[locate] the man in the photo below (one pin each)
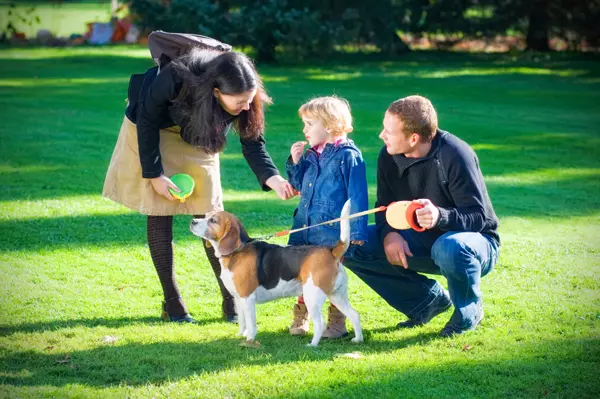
(438, 170)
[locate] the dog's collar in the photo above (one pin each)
(238, 249)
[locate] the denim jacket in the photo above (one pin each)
(325, 181)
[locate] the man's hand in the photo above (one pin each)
(297, 150)
(428, 216)
(162, 184)
(396, 249)
(281, 186)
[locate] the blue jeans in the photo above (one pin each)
(462, 257)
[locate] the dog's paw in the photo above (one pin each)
(242, 333)
(250, 343)
(357, 340)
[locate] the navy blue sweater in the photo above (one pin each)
(449, 176)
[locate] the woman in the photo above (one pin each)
(176, 121)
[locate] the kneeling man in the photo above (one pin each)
(422, 163)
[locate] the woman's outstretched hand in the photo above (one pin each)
(162, 184)
(281, 186)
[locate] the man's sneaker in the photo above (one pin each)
(456, 328)
(439, 305)
(336, 324)
(300, 324)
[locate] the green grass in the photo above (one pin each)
(75, 267)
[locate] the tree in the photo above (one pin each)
(355, 21)
(539, 20)
(537, 28)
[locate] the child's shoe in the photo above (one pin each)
(300, 324)
(336, 324)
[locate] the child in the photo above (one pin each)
(330, 172)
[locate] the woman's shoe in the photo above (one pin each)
(186, 318)
(176, 305)
(229, 313)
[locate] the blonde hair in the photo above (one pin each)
(332, 111)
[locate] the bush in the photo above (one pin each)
(187, 16)
(275, 31)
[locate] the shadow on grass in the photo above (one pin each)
(546, 369)
(546, 365)
(140, 364)
(114, 62)
(89, 323)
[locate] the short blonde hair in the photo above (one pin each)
(332, 111)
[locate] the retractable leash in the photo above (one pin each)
(400, 215)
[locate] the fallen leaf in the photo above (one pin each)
(352, 355)
(250, 344)
(109, 339)
(49, 347)
(67, 359)
(467, 348)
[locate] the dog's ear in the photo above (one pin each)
(231, 239)
(244, 238)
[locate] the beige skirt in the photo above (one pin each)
(125, 185)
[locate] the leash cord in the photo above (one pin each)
(288, 232)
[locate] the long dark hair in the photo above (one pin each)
(204, 119)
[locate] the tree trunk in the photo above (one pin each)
(392, 44)
(537, 31)
(386, 36)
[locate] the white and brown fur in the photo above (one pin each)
(257, 272)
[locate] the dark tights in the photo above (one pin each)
(160, 242)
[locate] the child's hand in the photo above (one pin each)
(357, 242)
(297, 150)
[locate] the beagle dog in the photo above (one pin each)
(256, 272)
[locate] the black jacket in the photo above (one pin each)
(449, 176)
(150, 107)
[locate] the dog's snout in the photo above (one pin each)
(198, 227)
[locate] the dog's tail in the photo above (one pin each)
(342, 245)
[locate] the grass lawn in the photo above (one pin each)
(76, 269)
(60, 18)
